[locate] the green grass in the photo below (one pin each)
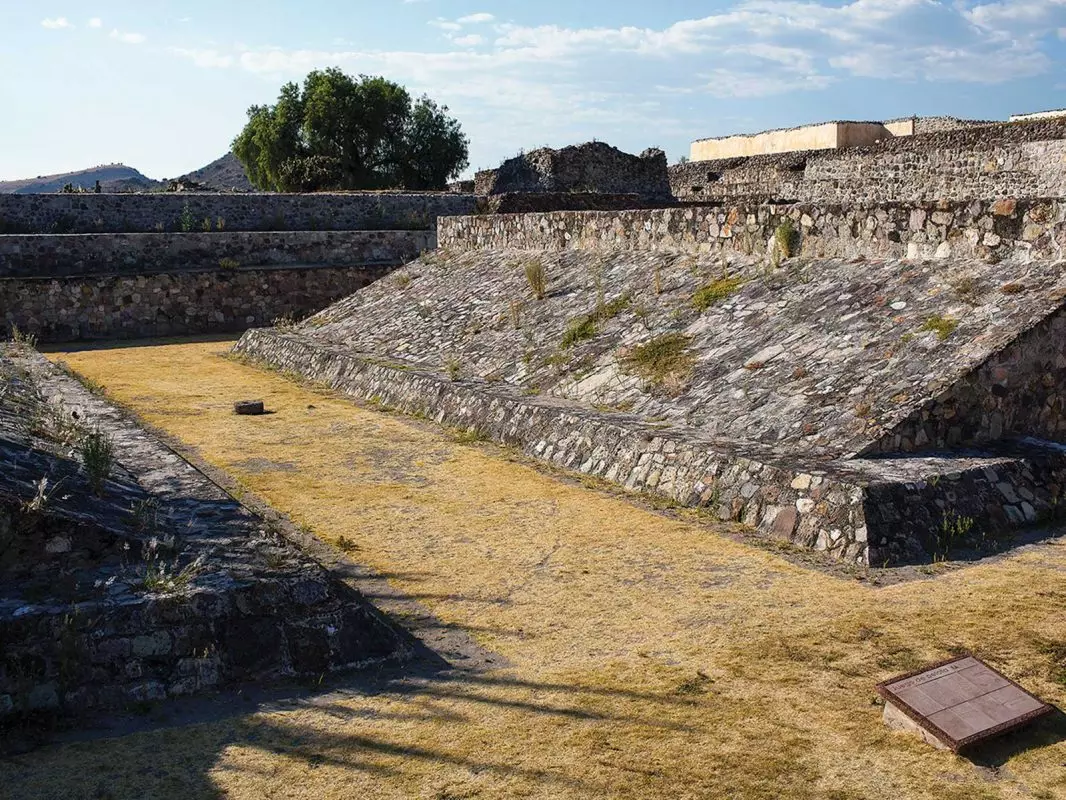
(98, 456)
(943, 327)
(715, 291)
(588, 325)
(664, 361)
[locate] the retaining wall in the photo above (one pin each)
(120, 306)
(117, 213)
(1025, 229)
(55, 255)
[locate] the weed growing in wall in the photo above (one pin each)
(97, 456)
(587, 326)
(786, 239)
(942, 326)
(229, 263)
(22, 339)
(715, 291)
(187, 221)
(664, 362)
(537, 278)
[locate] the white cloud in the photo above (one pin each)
(96, 22)
(56, 23)
(127, 37)
(445, 25)
(208, 59)
(472, 19)
(470, 40)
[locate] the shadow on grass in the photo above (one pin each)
(1046, 731)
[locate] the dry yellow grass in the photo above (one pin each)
(642, 656)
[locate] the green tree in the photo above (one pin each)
(337, 132)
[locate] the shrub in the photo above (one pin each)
(186, 222)
(97, 456)
(537, 278)
(720, 289)
(785, 239)
(664, 361)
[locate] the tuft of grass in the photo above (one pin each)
(402, 280)
(713, 292)
(587, 326)
(537, 278)
(1012, 288)
(969, 289)
(942, 326)
(23, 339)
(97, 456)
(453, 368)
(228, 263)
(664, 361)
(785, 239)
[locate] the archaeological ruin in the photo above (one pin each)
(854, 348)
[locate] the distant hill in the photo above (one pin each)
(224, 174)
(111, 177)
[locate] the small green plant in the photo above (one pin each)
(537, 278)
(657, 280)
(162, 578)
(951, 532)
(229, 263)
(968, 288)
(785, 239)
(470, 436)
(453, 368)
(97, 456)
(144, 515)
(516, 314)
(285, 321)
(942, 326)
(664, 362)
(402, 280)
(346, 545)
(187, 221)
(220, 224)
(205, 226)
(588, 325)
(23, 339)
(716, 290)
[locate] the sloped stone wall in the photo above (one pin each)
(1022, 229)
(89, 628)
(159, 212)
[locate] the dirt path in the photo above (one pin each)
(638, 656)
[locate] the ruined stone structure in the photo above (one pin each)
(593, 167)
(823, 136)
(68, 286)
(1016, 160)
(157, 583)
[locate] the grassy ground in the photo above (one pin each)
(639, 656)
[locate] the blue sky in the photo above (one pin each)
(164, 86)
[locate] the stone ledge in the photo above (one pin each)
(872, 511)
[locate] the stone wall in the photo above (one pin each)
(87, 619)
(591, 167)
(1025, 229)
(118, 306)
(1017, 160)
(130, 213)
(55, 255)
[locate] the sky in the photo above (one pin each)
(165, 86)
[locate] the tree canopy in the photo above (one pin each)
(338, 132)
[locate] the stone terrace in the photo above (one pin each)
(162, 586)
(776, 386)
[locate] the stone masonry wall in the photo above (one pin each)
(591, 167)
(1024, 229)
(126, 213)
(55, 255)
(120, 306)
(1018, 160)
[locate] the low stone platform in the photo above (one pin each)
(157, 585)
(887, 411)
